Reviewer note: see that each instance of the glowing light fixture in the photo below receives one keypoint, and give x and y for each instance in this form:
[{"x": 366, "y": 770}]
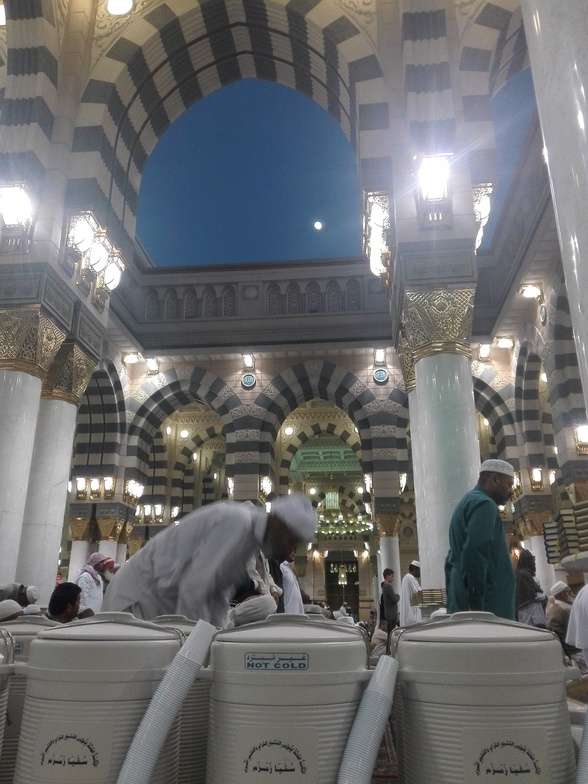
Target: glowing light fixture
[
  {"x": 379, "y": 356},
  {"x": 168, "y": 430},
  {"x": 119, "y": 7},
  {"x": 433, "y": 177},
  {"x": 288, "y": 431},
  {"x": 530, "y": 291},
  {"x": 184, "y": 433},
  {"x": 312, "y": 491},
  {"x": 581, "y": 438},
  {"x": 403, "y": 477},
  {"x": 482, "y": 207},
  {"x": 131, "y": 359},
  {"x": 2, "y": 16},
  {"x": 504, "y": 342},
  {"x": 16, "y": 207},
  {"x": 484, "y": 352},
  {"x": 152, "y": 365},
  {"x": 536, "y": 475},
  {"x": 248, "y": 361}
]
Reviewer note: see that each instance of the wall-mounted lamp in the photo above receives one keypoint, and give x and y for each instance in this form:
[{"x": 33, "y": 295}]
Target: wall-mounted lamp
[
  {"x": 81, "y": 488},
  {"x": 152, "y": 365},
  {"x": 433, "y": 192},
  {"x": 289, "y": 430},
  {"x": 131, "y": 359},
  {"x": 16, "y": 217},
  {"x": 484, "y": 350},
  {"x": 184, "y": 433},
  {"x": 265, "y": 487},
  {"x": 133, "y": 490},
  {"x": 504, "y": 342},
  {"x": 248, "y": 361},
  {"x": 379, "y": 356},
  {"x": 530, "y": 291},
  {"x": 536, "y": 476},
  {"x": 403, "y": 477},
  {"x": 90, "y": 255},
  {"x": 581, "y": 439},
  {"x": 516, "y": 485}
]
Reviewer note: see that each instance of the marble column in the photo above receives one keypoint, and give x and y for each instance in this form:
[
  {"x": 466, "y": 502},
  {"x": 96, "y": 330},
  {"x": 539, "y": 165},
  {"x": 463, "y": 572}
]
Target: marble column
[
  {"x": 556, "y": 36},
  {"x": 42, "y": 529},
  {"x": 30, "y": 342},
  {"x": 40, "y": 540},
  {"x": 80, "y": 546},
  {"x": 389, "y": 549},
  {"x": 533, "y": 533},
  {"x": 446, "y": 454}
]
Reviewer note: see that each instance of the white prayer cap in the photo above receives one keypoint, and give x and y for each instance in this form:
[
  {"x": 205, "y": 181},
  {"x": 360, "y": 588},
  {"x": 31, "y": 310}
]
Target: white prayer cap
[
  {"x": 497, "y": 467},
  {"x": 8, "y": 608},
  {"x": 32, "y": 594},
  {"x": 297, "y": 514},
  {"x": 416, "y": 563},
  {"x": 558, "y": 588},
  {"x": 32, "y": 609}
]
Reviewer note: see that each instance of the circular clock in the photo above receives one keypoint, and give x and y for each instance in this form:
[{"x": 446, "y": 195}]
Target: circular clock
[
  {"x": 248, "y": 380},
  {"x": 543, "y": 313},
  {"x": 380, "y": 376}
]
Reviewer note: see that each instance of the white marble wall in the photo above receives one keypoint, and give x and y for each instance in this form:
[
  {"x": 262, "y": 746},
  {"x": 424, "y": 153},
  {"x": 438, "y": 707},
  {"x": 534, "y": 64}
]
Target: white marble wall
[
  {"x": 556, "y": 34},
  {"x": 78, "y": 557},
  {"x": 446, "y": 454},
  {"x": 46, "y": 497},
  {"x": 20, "y": 395},
  {"x": 390, "y": 559}
]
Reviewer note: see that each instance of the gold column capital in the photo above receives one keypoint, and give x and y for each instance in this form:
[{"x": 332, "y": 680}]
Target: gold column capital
[
  {"x": 407, "y": 364},
  {"x": 533, "y": 521},
  {"x": 388, "y": 523},
  {"x": 69, "y": 374},
  {"x": 110, "y": 528},
  {"x": 79, "y": 528},
  {"x": 439, "y": 321},
  {"x": 29, "y": 340}
]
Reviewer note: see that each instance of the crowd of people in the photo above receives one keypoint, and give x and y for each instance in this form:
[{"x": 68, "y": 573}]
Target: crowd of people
[{"x": 231, "y": 563}]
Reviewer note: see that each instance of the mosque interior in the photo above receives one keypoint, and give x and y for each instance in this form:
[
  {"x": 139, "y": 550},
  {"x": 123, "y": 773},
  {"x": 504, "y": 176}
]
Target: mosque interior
[{"x": 131, "y": 394}]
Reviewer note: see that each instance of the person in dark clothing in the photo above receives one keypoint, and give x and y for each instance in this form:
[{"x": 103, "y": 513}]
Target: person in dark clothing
[
  {"x": 530, "y": 599},
  {"x": 391, "y": 599}
]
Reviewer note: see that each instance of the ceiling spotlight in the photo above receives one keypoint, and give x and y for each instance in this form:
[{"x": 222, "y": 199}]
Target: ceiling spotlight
[
  {"x": 131, "y": 359},
  {"x": 484, "y": 352},
  {"x": 288, "y": 431},
  {"x": 248, "y": 361},
  {"x": 184, "y": 433},
  {"x": 379, "y": 356},
  {"x": 119, "y": 7}
]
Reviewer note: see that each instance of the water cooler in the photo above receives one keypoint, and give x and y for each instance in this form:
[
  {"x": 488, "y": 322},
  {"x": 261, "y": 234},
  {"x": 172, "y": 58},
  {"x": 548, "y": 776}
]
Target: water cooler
[
  {"x": 283, "y": 698},
  {"x": 193, "y": 716},
  {"x": 481, "y": 699},
  {"x": 6, "y": 659},
  {"x": 88, "y": 686},
  {"x": 23, "y": 630}
]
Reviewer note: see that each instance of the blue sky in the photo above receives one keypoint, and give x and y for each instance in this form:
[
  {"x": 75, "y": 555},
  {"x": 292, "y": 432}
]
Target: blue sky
[{"x": 243, "y": 174}]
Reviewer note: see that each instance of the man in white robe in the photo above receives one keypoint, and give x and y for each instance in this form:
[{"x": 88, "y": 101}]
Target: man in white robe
[
  {"x": 292, "y": 596},
  {"x": 409, "y": 590},
  {"x": 577, "y": 634},
  {"x": 191, "y": 568}
]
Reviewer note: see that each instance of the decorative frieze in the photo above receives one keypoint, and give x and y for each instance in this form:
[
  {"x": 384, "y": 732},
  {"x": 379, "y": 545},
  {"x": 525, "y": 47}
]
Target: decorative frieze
[{"x": 69, "y": 374}]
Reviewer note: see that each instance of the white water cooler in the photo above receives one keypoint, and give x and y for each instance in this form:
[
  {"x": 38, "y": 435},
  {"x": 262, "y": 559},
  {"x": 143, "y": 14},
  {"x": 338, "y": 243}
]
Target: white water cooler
[
  {"x": 23, "y": 630},
  {"x": 481, "y": 699},
  {"x": 193, "y": 716},
  {"x": 88, "y": 685},
  {"x": 283, "y": 698},
  {"x": 6, "y": 659}
]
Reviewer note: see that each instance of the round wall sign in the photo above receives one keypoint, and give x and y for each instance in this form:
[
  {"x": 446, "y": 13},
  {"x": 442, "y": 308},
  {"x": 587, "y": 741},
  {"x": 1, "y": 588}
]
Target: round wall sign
[
  {"x": 543, "y": 313},
  {"x": 380, "y": 376},
  {"x": 248, "y": 380}
]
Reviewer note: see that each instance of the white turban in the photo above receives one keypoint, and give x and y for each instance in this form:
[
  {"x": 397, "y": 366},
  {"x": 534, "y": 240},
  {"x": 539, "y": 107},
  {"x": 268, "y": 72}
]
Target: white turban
[
  {"x": 297, "y": 514},
  {"x": 8, "y": 608},
  {"x": 32, "y": 594},
  {"x": 558, "y": 588}
]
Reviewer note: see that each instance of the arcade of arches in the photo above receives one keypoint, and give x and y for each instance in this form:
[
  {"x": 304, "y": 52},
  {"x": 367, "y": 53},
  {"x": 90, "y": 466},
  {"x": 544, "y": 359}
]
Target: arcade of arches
[{"x": 100, "y": 451}]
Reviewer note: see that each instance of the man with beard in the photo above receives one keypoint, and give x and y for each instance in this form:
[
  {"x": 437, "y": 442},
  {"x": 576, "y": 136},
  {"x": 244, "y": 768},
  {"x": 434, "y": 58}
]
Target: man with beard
[{"x": 478, "y": 570}]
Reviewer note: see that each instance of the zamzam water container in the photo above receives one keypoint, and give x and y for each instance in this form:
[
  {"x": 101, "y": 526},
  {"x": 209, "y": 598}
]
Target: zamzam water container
[
  {"x": 88, "y": 686},
  {"x": 193, "y": 717},
  {"x": 283, "y": 698},
  {"x": 23, "y": 631},
  {"x": 481, "y": 699},
  {"x": 6, "y": 659}
]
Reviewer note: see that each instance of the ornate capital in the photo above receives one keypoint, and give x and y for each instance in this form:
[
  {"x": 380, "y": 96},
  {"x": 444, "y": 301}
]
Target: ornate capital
[
  {"x": 407, "y": 364},
  {"x": 110, "y": 528},
  {"x": 69, "y": 374},
  {"x": 387, "y": 523},
  {"x": 29, "y": 340},
  {"x": 439, "y": 322},
  {"x": 533, "y": 521},
  {"x": 79, "y": 528}
]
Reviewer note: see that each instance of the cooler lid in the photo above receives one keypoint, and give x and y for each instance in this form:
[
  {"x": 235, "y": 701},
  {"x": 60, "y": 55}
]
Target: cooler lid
[
  {"x": 291, "y": 629},
  {"x": 473, "y": 627},
  {"x": 113, "y": 626}
]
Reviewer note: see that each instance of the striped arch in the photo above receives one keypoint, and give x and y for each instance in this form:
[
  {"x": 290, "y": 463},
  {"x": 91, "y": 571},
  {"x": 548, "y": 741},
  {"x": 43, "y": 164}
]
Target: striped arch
[
  {"x": 155, "y": 484},
  {"x": 171, "y": 56},
  {"x": 302, "y": 438},
  {"x": 492, "y": 405},
  {"x": 527, "y": 408},
  {"x": 165, "y": 394},
  {"x": 30, "y": 89},
  {"x": 100, "y": 426},
  {"x": 184, "y": 459}
]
